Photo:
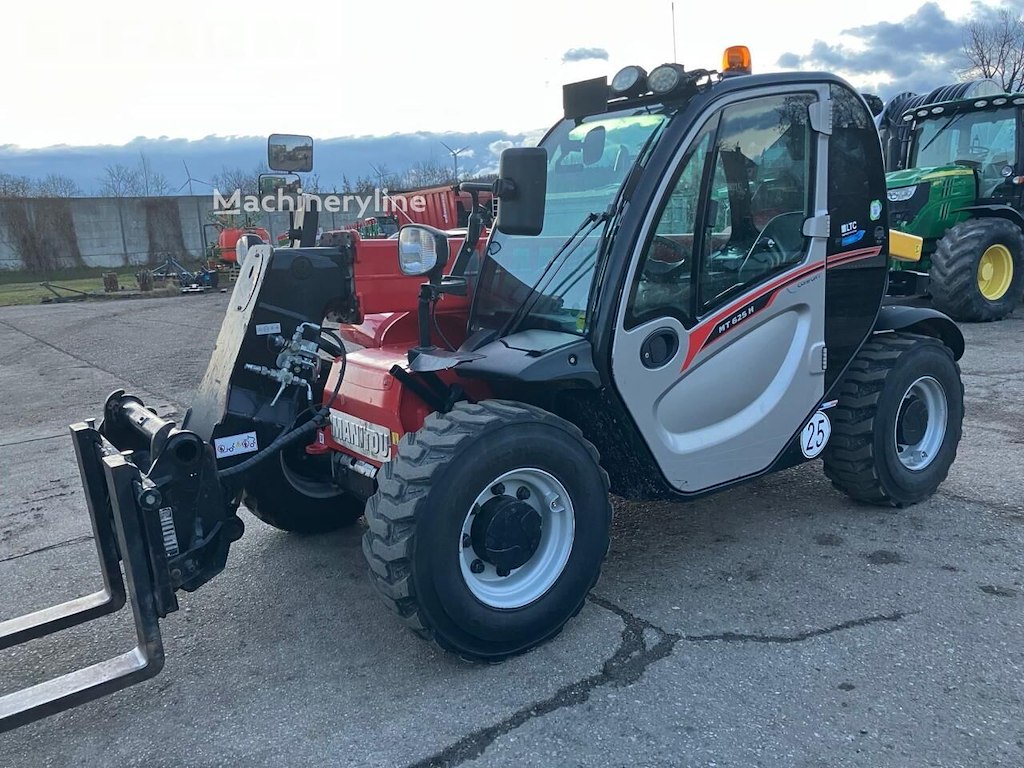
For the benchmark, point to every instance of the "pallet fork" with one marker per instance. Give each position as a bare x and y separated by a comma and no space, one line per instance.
158,508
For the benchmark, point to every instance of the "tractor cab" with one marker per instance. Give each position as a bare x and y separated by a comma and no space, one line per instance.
962,190
959,154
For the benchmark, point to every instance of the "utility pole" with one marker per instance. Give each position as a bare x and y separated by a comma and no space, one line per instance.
380,171
455,158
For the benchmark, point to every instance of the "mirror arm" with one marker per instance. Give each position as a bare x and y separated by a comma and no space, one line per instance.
475,226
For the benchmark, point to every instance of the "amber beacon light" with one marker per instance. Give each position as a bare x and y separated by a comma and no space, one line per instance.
736,60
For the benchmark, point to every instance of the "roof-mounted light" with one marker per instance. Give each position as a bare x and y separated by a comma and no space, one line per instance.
666,78
736,61
629,81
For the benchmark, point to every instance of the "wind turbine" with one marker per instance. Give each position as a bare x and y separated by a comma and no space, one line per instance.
455,157
189,180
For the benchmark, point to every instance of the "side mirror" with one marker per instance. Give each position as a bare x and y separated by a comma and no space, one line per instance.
290,153
593,145
521,188
270,183
422,250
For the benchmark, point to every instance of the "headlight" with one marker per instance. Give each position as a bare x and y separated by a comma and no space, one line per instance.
901,194
421,249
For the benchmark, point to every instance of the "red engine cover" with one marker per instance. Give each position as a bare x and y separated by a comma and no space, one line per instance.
388,301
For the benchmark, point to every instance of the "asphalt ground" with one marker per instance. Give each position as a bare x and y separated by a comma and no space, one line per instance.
777,624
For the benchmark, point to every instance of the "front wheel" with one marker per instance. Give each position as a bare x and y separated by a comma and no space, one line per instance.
898,422
489,528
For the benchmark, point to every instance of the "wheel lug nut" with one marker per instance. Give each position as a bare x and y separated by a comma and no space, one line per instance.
467,541
503,572
498,489
523,493
477,566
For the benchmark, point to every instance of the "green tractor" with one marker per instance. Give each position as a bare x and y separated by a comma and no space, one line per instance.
960,186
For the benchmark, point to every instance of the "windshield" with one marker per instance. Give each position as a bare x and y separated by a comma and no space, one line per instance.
587,164
985,141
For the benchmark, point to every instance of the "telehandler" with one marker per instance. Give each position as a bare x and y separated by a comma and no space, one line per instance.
683,290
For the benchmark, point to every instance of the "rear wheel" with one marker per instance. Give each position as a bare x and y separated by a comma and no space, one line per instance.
898,422
489,528
289,493
977,271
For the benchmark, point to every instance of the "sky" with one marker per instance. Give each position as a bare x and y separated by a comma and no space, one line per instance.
109,73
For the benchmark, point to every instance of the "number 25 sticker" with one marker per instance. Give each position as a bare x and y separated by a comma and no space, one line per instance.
815,435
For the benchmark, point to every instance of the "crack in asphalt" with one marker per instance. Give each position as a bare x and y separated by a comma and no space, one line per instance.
1013,510
31,440
630,660
627,665
736,637
68,543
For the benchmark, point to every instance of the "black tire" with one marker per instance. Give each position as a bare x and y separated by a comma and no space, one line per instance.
861,458
272,495
424,496
953,278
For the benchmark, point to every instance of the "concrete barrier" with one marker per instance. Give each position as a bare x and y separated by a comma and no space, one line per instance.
43,234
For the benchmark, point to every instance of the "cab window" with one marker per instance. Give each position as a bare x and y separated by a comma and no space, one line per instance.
734,214
759,196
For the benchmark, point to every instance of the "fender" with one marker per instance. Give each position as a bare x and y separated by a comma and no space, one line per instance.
995,211
922,320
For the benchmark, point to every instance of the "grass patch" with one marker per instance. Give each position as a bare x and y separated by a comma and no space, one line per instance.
29,291
25,288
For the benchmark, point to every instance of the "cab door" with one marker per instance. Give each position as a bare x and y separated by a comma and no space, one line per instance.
719,354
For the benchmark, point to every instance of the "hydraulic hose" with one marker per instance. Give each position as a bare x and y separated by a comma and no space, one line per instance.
302,432
297,434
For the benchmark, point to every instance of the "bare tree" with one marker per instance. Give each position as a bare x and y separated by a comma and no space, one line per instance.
995,48
139,180
230,179
56,185
310,182
150,183
427,173
15,186
120,181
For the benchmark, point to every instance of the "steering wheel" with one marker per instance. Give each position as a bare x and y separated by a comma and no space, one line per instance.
766,252
666,259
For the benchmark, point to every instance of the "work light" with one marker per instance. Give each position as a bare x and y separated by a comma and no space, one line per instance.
629,81
666,78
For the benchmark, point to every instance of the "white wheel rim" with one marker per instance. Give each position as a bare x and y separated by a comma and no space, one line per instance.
920,454
529,582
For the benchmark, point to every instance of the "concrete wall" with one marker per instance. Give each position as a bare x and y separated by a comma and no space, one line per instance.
41,234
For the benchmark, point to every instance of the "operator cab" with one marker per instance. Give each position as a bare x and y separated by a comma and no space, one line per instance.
697,225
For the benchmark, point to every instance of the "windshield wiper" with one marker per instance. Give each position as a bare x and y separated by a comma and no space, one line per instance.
939,132
564,251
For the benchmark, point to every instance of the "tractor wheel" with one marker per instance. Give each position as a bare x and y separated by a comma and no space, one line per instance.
286,494
977,271
897,426
489,528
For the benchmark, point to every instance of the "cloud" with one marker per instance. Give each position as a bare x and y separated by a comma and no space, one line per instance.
584,54
334,158
919,53
499,146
